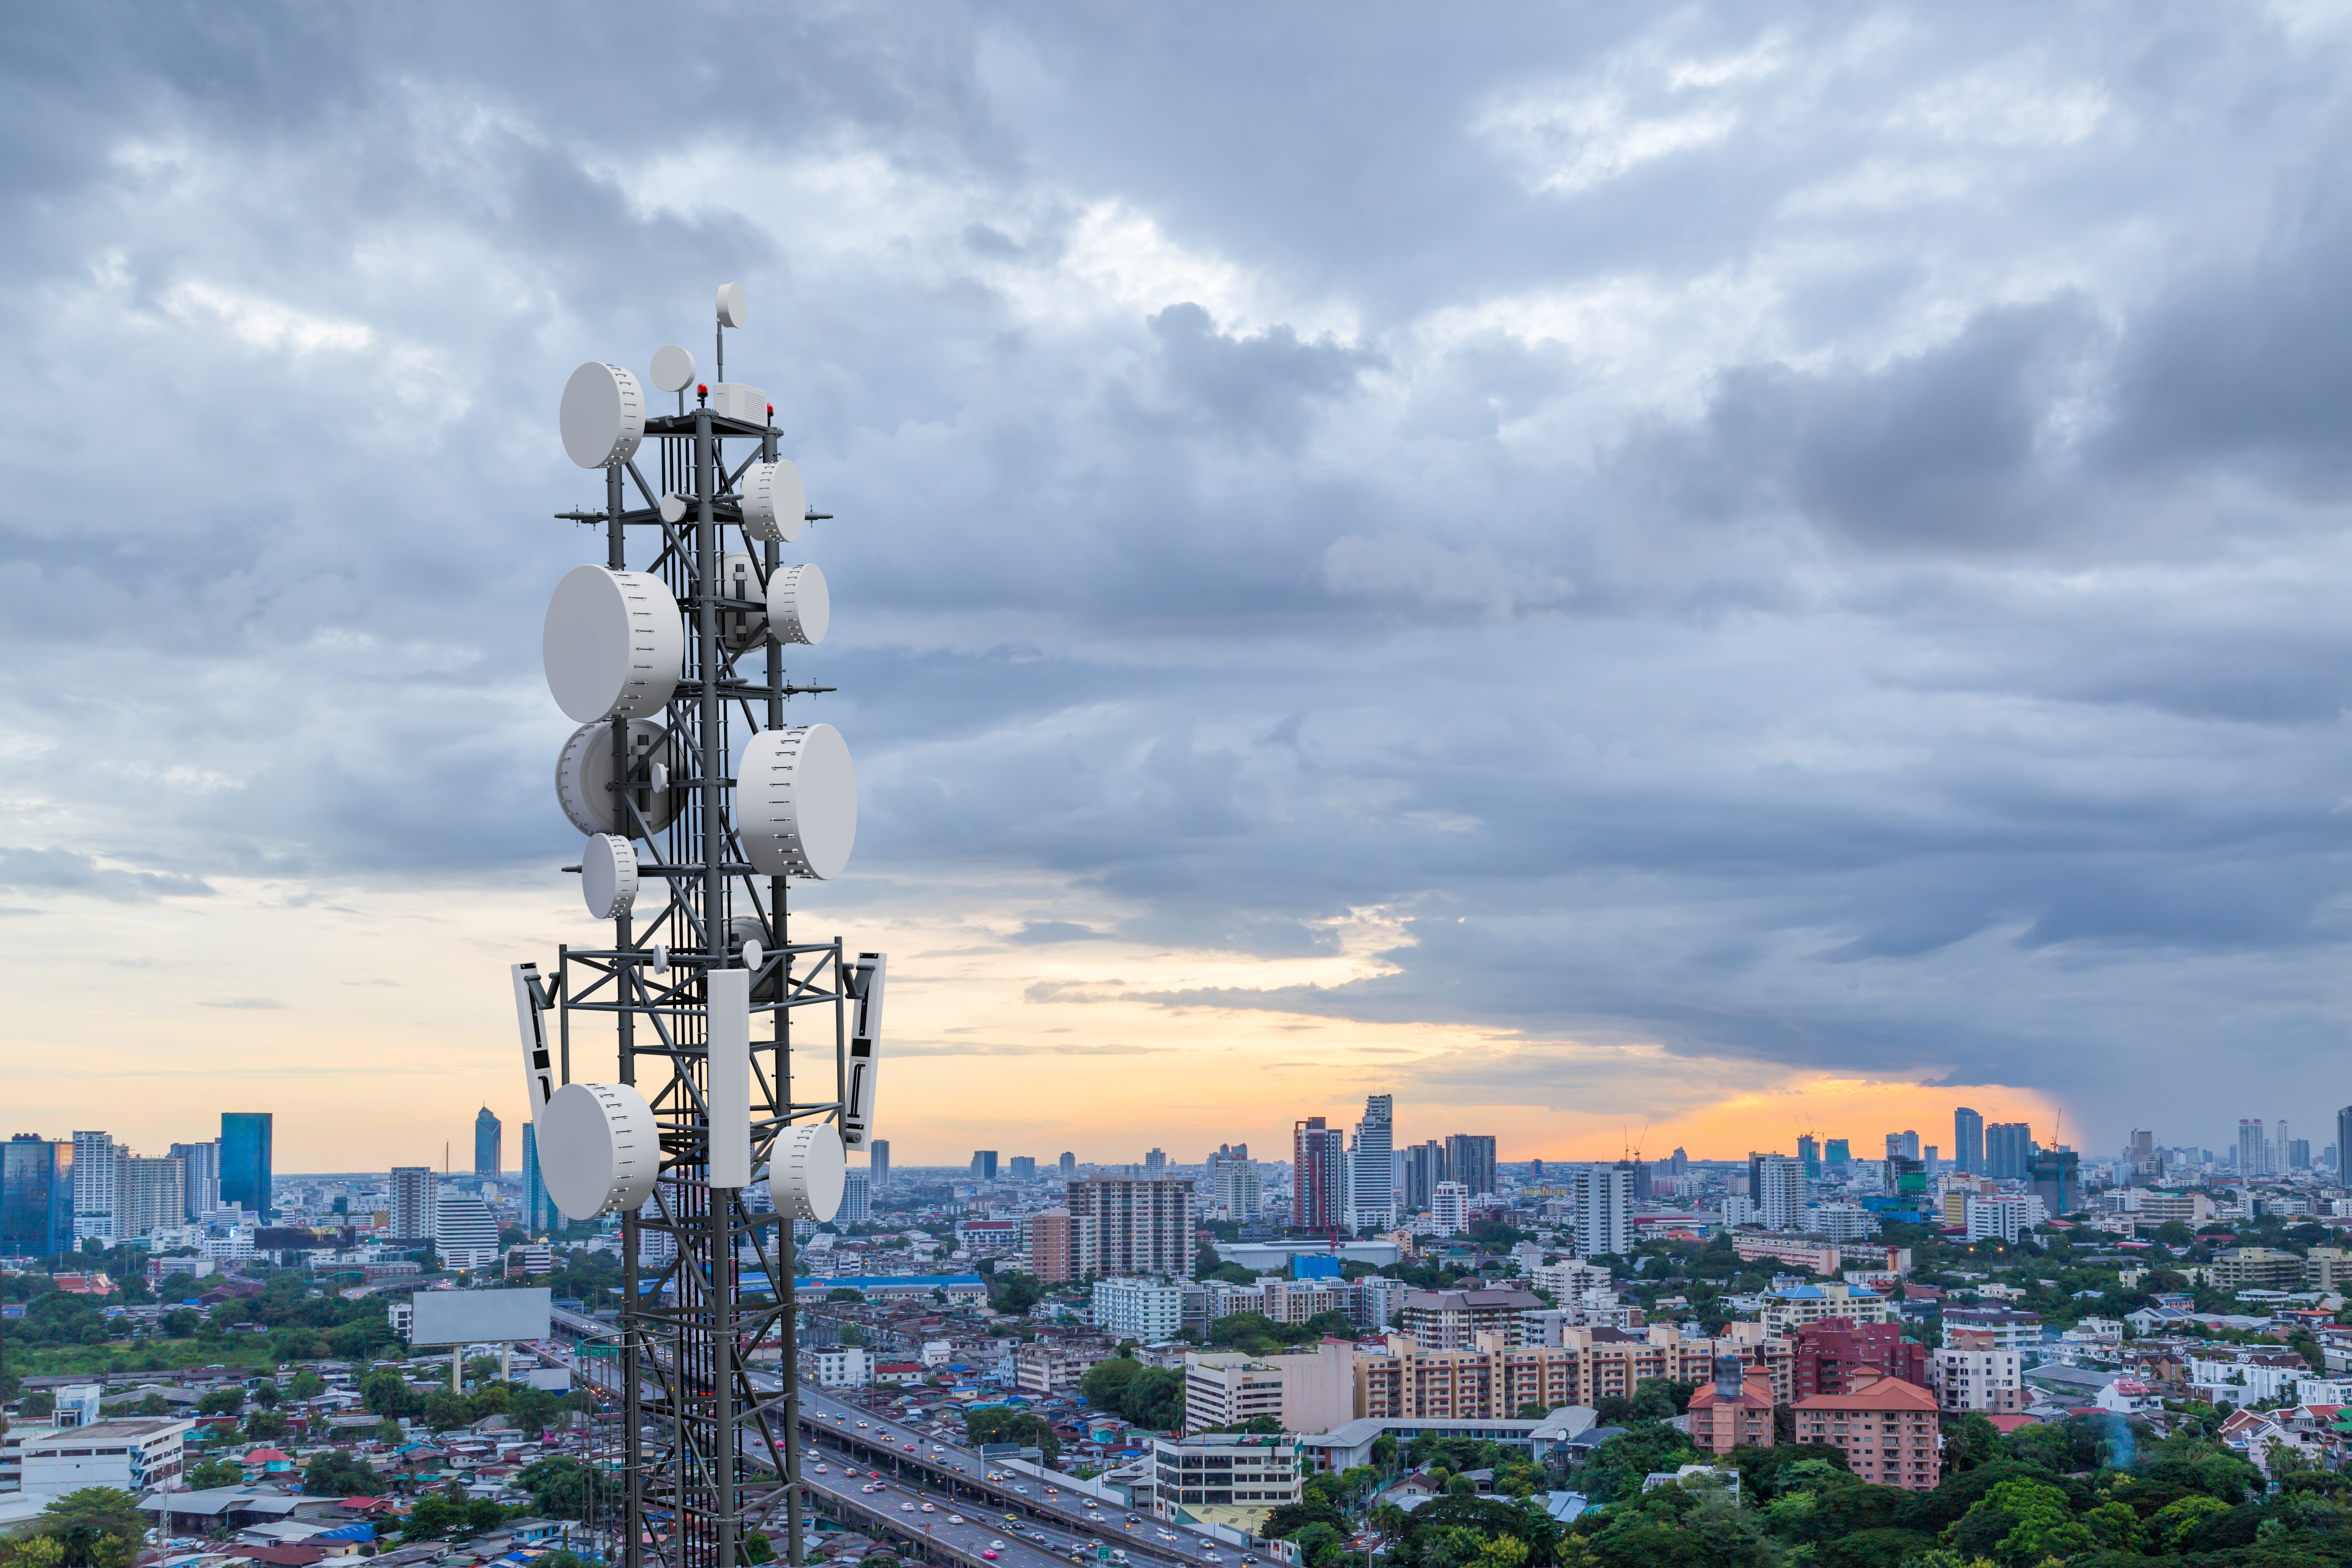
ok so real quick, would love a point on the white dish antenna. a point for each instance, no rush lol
(805, 1172)
(673, 507)
(733, 309)
(739, 578)
(775, 502)
(583, 774)
(796, 803)
(599, 1149)
(613, 643)
(673, 368)
(604, 416)
(608, 876)
(799, 606)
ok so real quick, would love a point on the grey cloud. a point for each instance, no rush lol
(1039, 933)
(67, 871)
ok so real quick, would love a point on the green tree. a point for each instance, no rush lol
(433, 1516)
(95, 1527)
(2034, 1521)
(561, 1487)
(266, 1426)
(1016, 1293)
(222, 1402)
(1154, 1399)
(1105, 1382)
(307, 1384)
(332, 1473)
(208, 1474)
(1008, 1426)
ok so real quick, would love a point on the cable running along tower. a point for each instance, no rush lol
(743, 1060)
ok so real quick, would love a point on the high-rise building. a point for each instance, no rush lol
(2053, 1174)
(1155, 1164)
(98, 1172)
(983, 1165)
(2298, 1154)
(1424, 1167)
(1600, 1199)
(412, 1204)
(1022, 1168)
(1141, 1225)
(1904, 1145)
(2254, 1146)
(489, 1152)
(1372, 1185)
(245, 1161)
(465, 1231)
(538, 1208)
(2006, 1148)
(1316, 1153)
(1236, 1187)
(878, 1162)
(200, 1164)
(1470, 1160)
(1809, 1155)
(857, 1200)
(2343, 1146)
(1838, 1153)
(1067, 1165)
(2278, 1149)
(158, 1191)
(37, 1197)
(1967, 1141)
(1776, 1185)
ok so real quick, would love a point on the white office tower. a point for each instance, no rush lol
(465, 1231)
(1238, 1189)
(412, 1204)
(1449, 1208)
(1372, 1167)
(98, 1182)
(1601, 1200)
(2280, 1164)
(857, 1200)
(1776, 1183)
(158, 1193)
(200, 1170)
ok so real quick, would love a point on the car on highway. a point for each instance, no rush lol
(929, 1508)
(955, 1518)
(822, 1471)
(861, 1425)
(990, 1555)
(905, 1507)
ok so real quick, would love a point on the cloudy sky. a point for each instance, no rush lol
(1679, 576)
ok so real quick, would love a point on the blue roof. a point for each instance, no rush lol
(903, 1281)
(363, 1530)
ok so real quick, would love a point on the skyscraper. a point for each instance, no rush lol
(1067, 1165)
(412, 1204)
(245, 1161)
(489, 1152)
(984, 1164)
(2254, 1146)
(1902, 1145)
(97, 1171)
(1809, 1153)
(1838, 1152)
(1600, 1197)
(857, 1200)
(465, 1232)
(2278, 1166)
(2343, 1146)
(1316, 1151)
(2006, 1146)
(1776, 1185)
(1967, 1141)
(1470, 1160)
(158, 1193)
(538, 1208)
(37, 1197)
(878, 1162)
(1424, 1167)
(1155, 1163)
(200, 1164)
(1372, 1187)
(1022, 1168)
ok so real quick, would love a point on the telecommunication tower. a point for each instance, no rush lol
(744, 1061)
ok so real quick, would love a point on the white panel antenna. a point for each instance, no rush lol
(726, 1083)
(864, 983)
(531, 1022)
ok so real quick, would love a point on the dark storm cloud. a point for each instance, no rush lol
(1804, 539)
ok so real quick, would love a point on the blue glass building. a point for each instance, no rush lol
(35, 1197)
(245, 1160)
(539, 1209)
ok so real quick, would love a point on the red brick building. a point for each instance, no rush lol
(1823, 1355)
(1886, 1426)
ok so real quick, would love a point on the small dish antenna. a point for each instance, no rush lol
(799, 607)
(599, 1149)
(673, 507)
(613, 643)
(775, 502)
(604, 416)
(584, 778)
(673, 368)
(805, 1172)
(732, 308)
(796, 799)
(608, 876)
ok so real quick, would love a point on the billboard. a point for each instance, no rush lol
(478, 1316)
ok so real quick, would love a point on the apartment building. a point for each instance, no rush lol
(1145, 1310)
(1312, 1389)
(2256, 1269)
(1454, 1320)
(2010, 1330)
(1494, 1379)
(1886, 1427)
(2327, 1268)
(1734, 1411)
(1057, 1247)
(1048, 1367)
(132, 1455)
(1815, 1255)
(1787, 1311)
(1972, 1371)
(1225, 1478)
(1824, 1356)
(1141, 1225)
